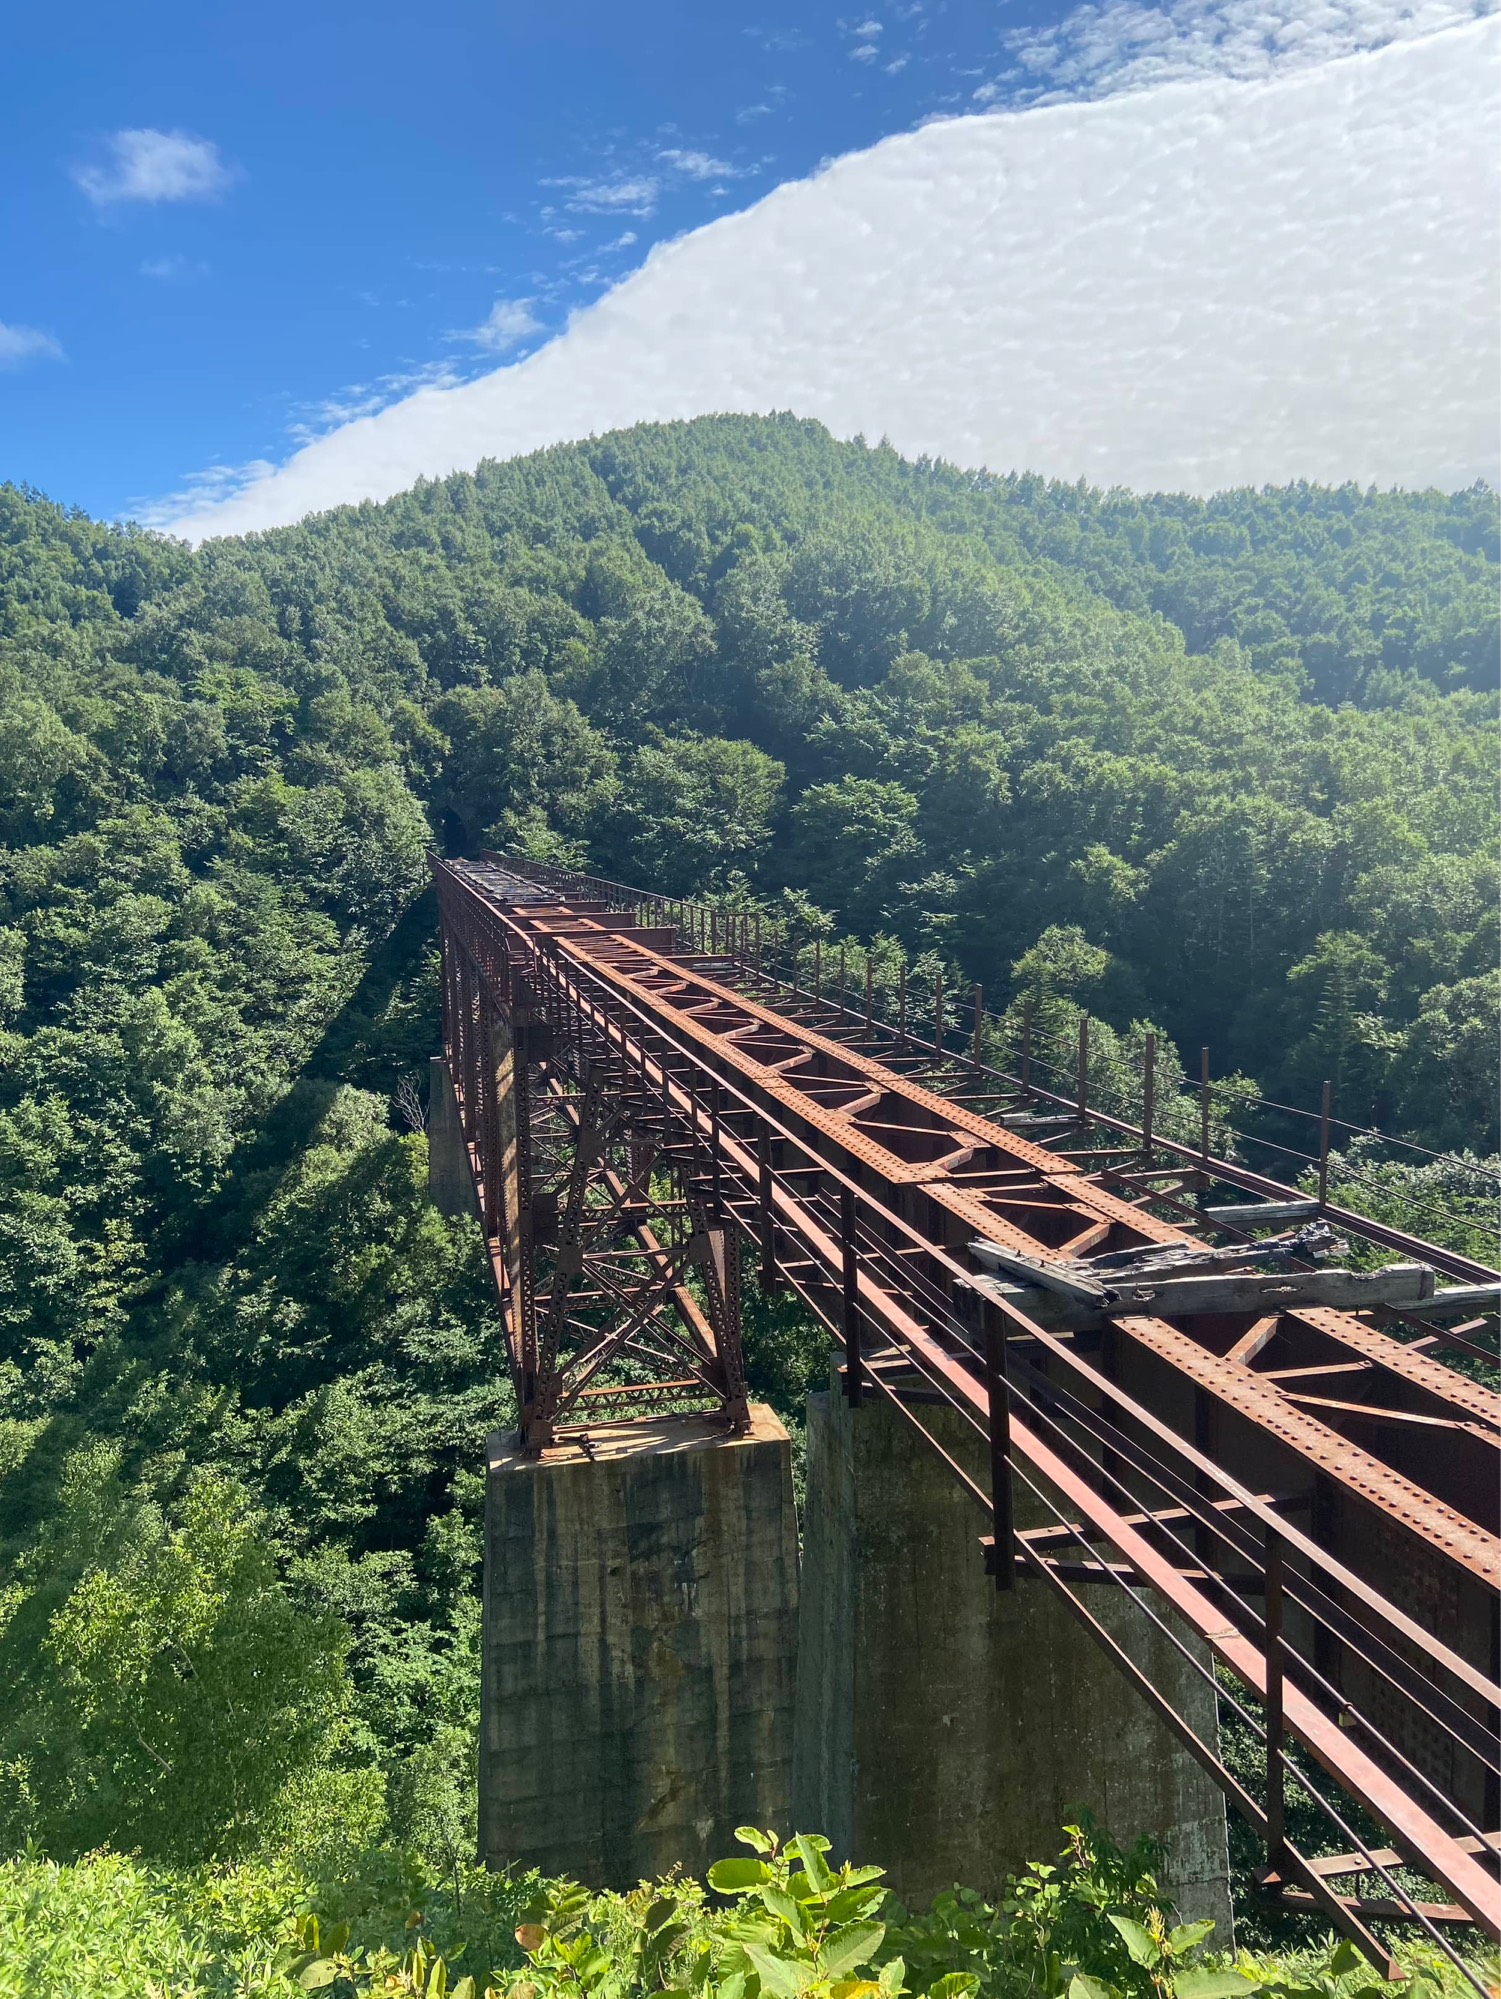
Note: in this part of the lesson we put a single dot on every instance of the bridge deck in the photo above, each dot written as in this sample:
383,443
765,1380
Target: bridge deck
1199,1451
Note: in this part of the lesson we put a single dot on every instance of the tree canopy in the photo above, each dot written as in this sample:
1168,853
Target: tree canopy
1224,766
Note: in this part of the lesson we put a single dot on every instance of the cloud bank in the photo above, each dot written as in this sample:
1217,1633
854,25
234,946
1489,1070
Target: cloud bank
1204,284
1107,46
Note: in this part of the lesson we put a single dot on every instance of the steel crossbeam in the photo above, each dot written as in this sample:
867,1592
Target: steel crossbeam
691,1107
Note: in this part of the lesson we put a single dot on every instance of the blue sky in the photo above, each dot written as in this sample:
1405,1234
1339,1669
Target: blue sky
230,233
386,174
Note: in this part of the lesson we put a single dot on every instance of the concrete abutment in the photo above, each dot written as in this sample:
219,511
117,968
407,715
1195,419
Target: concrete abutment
948,1730
640,1633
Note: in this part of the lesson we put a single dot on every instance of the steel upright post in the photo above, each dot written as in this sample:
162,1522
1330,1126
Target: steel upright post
769,1280
979,1024
1276,1767
1148,1092
901,1003
869,995
1204,1109
854,1359
1083,1066
1324,1107
1027,1045
998,1395
938,1013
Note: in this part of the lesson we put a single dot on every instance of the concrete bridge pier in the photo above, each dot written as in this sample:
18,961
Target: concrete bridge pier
946,1729
640,1633
450,1184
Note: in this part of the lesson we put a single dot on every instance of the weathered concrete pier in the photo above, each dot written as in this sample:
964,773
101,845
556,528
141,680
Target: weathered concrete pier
948,1728
640,1644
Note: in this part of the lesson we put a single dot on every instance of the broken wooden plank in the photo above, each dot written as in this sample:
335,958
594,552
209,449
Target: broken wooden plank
1252,1341
1253,1212
1169,1297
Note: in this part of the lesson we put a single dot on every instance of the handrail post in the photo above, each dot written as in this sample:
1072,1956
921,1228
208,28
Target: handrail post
1148,1092
1083,1066
979,1023
1324,1148
1027,1045
1002,1514
854,1359
938,1013
817,971
1204,1109
844,983
869,994
901,1004
769,1279
1276,1767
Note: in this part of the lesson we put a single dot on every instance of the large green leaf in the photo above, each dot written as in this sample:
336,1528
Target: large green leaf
788,1908
1082,1986
848,1947
1188,1936
810,1851
777,1974
954,1985
1139,1942
1213,1984
734,1876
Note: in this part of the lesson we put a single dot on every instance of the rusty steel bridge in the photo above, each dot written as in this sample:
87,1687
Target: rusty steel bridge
1216,1424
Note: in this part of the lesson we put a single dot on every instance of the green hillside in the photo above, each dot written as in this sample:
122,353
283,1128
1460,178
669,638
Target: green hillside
1224,766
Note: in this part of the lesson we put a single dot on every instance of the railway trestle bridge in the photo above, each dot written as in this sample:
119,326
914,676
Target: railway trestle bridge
1237,1480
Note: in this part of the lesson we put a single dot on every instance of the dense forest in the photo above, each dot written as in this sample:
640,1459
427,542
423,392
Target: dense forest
1226,766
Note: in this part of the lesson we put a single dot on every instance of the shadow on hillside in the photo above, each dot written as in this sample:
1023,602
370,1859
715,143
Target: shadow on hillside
356,1047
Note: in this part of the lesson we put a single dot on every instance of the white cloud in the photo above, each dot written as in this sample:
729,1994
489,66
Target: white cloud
610,194
147,165
701,166
314,420
508,323
864,52
1116,45
215,486
1207,284
19,344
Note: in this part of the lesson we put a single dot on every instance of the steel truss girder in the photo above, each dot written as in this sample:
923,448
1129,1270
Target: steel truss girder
838,1214
594,1209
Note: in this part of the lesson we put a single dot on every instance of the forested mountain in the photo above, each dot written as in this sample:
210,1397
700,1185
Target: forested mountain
1226,765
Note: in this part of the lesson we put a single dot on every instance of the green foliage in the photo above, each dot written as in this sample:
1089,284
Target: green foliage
1220,770
112,1927
164,1687
781,1922
692,810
